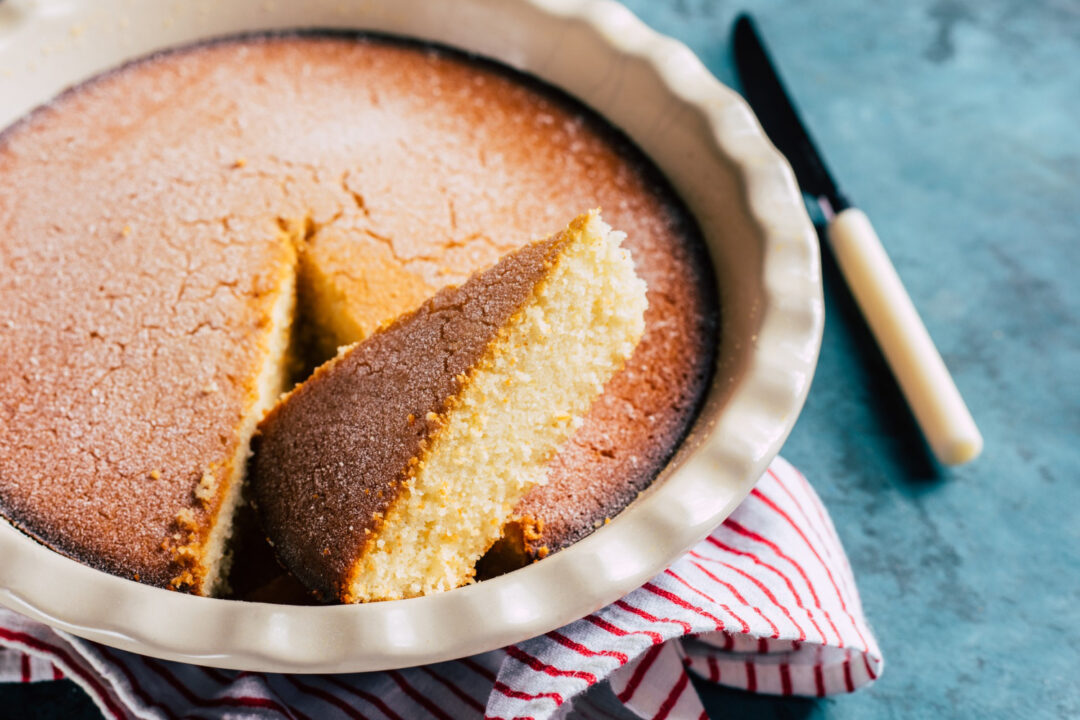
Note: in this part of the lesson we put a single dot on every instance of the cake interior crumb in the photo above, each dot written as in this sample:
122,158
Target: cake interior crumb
525,397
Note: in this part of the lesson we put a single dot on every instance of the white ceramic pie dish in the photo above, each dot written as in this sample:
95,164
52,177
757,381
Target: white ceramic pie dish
704,138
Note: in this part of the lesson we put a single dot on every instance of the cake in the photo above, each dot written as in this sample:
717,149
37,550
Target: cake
131,383
158,217
393,468
349,285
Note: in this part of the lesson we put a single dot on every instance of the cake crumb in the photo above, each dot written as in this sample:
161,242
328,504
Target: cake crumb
126,230
186,519
186,553
533,530
210,388
206,488
240,162
155,474
184,579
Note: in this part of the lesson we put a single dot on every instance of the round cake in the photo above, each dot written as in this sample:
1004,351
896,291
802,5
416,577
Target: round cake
157,219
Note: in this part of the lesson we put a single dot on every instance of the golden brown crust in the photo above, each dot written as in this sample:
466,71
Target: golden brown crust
331,458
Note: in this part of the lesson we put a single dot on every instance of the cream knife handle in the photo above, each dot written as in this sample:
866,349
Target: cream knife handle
915,361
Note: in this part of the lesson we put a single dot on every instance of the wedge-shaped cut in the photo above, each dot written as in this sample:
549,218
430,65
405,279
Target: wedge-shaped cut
349,285
393,468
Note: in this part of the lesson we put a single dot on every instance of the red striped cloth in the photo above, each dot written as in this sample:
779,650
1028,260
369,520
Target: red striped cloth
767,604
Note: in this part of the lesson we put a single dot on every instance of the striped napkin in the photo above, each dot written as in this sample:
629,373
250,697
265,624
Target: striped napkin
767,604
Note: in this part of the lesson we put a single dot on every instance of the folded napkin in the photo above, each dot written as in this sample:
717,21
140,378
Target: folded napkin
767,603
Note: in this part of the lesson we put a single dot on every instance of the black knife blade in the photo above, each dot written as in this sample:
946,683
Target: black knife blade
765,92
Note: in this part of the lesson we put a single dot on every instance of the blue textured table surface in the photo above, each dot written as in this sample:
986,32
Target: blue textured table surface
954,124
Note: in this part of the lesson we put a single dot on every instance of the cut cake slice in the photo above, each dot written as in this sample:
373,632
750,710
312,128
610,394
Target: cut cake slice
391,470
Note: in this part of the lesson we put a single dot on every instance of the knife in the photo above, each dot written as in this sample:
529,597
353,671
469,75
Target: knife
916,363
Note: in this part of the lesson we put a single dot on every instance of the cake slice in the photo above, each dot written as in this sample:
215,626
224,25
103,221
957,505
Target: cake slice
390,471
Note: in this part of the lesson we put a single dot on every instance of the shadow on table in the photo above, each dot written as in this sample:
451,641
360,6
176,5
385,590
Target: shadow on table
54,700
722,703
890,413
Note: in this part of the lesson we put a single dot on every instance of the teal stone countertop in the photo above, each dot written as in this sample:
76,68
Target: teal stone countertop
955,124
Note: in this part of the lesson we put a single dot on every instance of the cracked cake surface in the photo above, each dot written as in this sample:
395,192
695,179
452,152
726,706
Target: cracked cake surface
150,247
